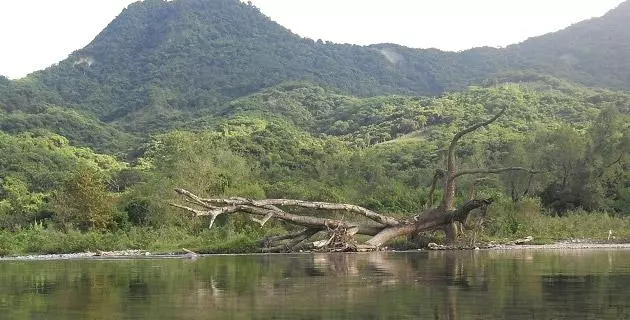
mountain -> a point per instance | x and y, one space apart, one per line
159 62
197 53
594 52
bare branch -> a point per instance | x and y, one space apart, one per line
209 203
195 199
263 220
451 149
267 213
322 243
489 171
448 200
197 213
309 221
439 174
468 130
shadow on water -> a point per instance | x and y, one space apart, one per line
386 285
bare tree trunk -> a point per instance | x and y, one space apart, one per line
450 194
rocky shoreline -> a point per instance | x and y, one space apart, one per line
82 255
563 246
138 254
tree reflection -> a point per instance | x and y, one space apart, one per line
382 285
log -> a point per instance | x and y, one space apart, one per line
340 232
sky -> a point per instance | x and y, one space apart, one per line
35 34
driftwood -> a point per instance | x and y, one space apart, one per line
340 234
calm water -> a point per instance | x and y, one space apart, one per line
588 284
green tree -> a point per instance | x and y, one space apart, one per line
84 201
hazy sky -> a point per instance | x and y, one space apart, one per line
37 33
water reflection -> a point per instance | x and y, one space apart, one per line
416 285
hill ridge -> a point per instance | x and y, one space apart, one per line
191 55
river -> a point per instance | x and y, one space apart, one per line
515 284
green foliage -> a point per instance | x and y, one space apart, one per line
78 129
592 52
199 162
25 106
160 61
18 206
84 202
42 160
203 163
34 167
512 221
214 97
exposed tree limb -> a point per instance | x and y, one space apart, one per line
195 199
263 220
296 239
472 128
433 219
197 213
382 219
489 171
308 221
448 200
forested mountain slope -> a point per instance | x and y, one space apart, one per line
26 106
594 52
159 60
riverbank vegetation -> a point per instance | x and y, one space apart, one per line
62 193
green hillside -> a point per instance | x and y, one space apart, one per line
594 52
25 106
169 57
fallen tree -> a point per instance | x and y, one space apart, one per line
339 234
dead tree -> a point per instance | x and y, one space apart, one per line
340 234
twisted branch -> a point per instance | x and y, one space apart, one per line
266 203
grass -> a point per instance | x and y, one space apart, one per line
510 221
163 240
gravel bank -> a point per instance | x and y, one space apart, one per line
83 255
136 254
563 245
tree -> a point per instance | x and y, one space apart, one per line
84 201
340 233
